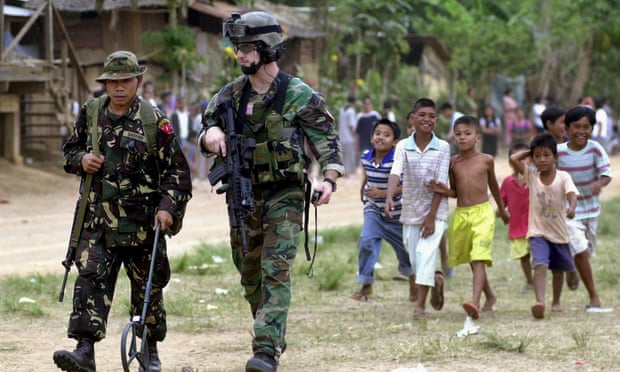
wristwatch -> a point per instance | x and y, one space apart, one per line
332 182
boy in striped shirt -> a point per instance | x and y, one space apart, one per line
588 165
377 226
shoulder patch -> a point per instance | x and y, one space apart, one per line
165 126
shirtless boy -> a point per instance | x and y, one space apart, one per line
471 233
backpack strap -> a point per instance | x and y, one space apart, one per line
149 120
278 101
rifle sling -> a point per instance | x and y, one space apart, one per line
92 120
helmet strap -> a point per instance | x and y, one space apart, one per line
252 68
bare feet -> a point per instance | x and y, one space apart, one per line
594 302
413 290
363 293
489 305
527 288
420 313
572 280
556 308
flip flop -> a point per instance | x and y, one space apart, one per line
592 308
437 291
471 310
538 310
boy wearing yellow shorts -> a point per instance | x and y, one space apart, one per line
471 233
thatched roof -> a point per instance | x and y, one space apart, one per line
91 5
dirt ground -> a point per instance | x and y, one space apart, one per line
35 226
34 229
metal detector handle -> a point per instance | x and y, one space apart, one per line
149 282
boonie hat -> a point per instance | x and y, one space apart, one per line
121 65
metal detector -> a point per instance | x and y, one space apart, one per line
130 339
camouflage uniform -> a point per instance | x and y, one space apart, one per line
278 185
118 227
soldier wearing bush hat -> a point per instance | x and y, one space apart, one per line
121 65
139 178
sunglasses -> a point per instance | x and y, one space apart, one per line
246 48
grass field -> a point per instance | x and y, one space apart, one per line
330 332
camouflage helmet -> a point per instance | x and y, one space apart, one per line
253 26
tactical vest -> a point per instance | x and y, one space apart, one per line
279 154
133 162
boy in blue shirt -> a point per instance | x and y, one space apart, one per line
377 164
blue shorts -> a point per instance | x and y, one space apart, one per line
553 255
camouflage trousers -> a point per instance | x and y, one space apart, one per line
273 236
93 292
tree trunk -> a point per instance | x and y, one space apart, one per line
583 72
358 56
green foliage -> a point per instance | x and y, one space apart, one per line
564 48
175 47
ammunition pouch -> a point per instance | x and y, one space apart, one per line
280 160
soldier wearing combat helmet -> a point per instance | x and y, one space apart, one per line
139 178
281 113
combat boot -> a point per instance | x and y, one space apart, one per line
82 359
261 362
153 364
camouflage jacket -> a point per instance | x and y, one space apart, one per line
132 184
304 108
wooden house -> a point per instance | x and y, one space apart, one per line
431 57
79 34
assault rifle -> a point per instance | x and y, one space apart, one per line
80 208
235 172
76 230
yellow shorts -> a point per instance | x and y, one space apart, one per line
519 247
471 234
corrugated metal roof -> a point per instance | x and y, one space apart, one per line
294 24
14 11
90 5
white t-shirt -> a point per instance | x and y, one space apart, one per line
347 120
183 117
600 129
537 110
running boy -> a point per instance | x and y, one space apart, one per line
588 165
423 157
553 122
471 233
515 195
377 163
547 232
